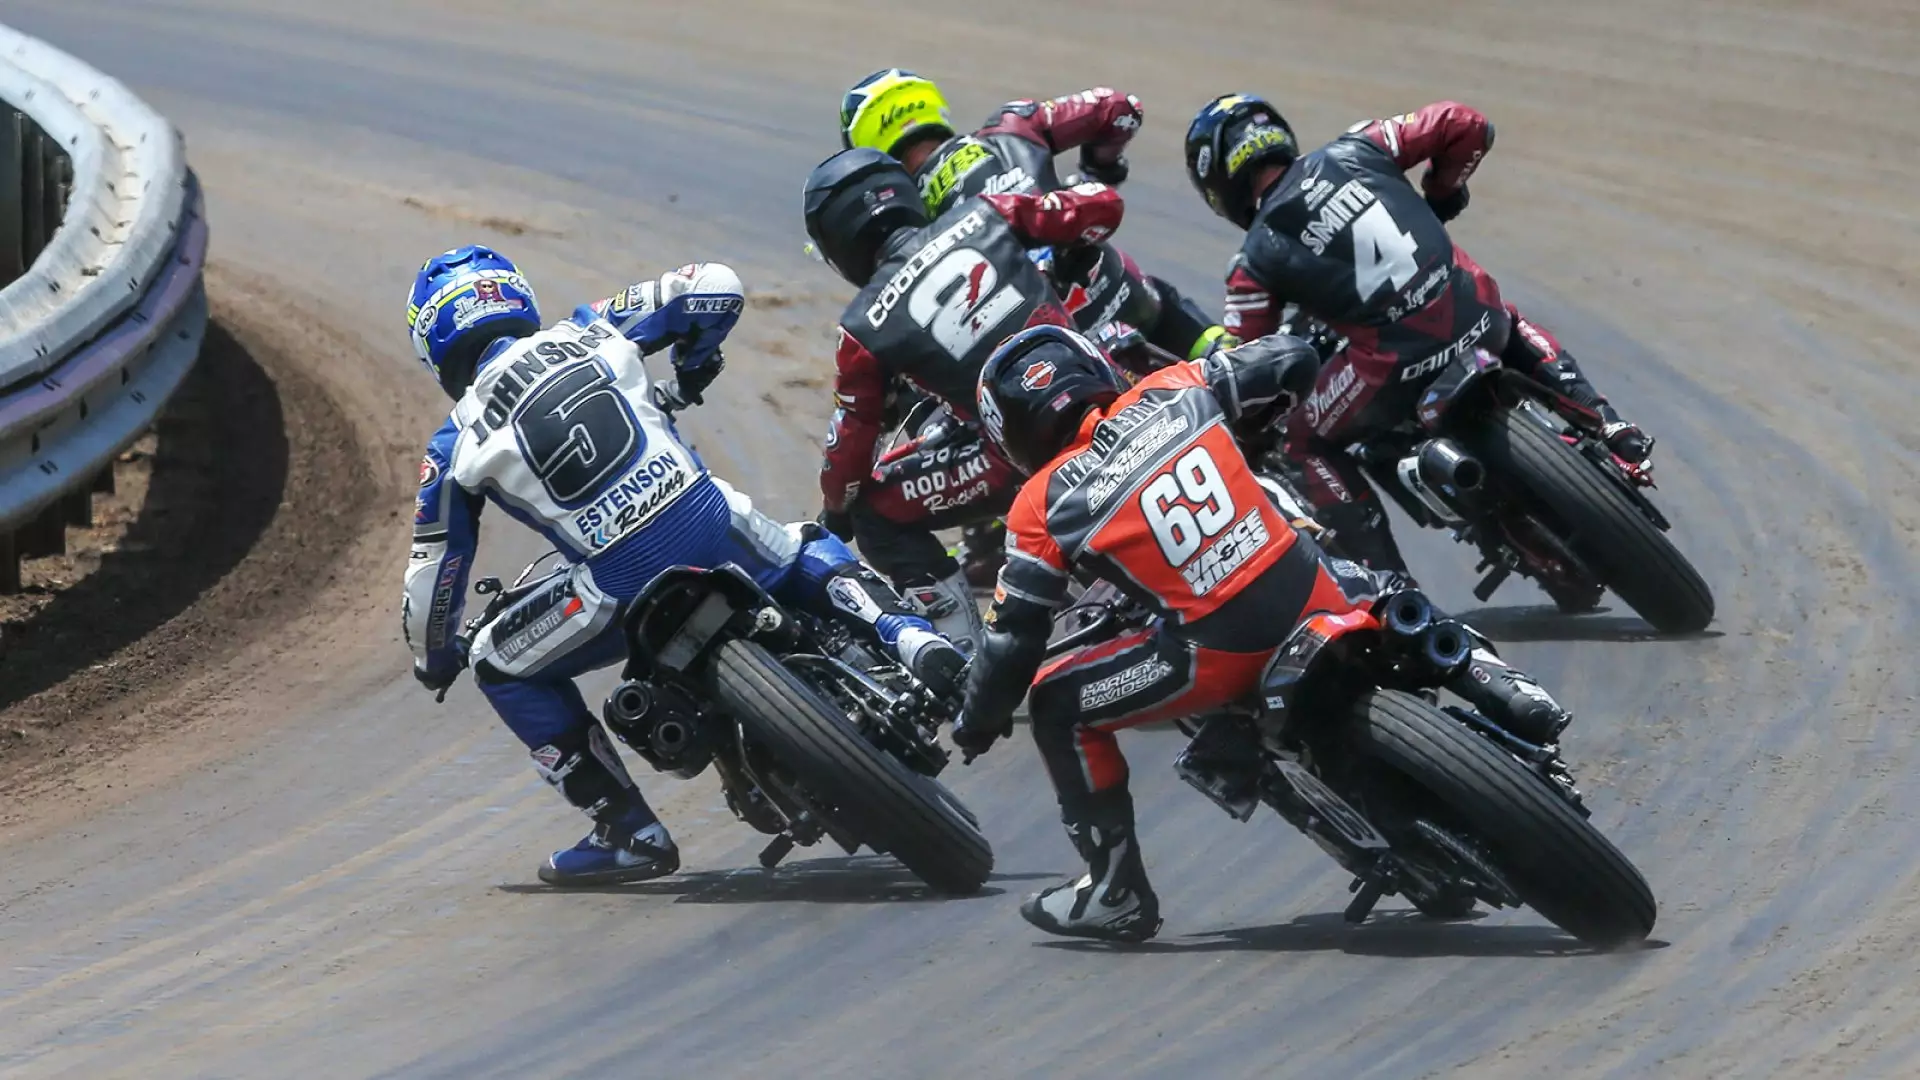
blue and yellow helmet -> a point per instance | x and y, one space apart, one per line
464 300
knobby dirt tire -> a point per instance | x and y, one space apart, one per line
874 796
1557 862
1632 555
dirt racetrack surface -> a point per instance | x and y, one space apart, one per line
1711 203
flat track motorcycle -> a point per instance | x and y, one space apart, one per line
1514 469
1347 741
814 734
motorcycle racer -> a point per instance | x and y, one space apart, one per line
1342 234
935 298
906 117
1146 489
563 429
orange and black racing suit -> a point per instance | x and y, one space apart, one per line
1154 497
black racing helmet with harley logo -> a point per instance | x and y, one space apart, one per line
1227 142
1037 387
854 201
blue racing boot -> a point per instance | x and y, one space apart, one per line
633 846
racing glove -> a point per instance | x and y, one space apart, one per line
837 522
975 736
438 672
1447 207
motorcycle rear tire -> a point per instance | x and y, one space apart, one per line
873 796
1557 862
1631 554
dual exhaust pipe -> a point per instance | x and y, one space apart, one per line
668 738
1437 643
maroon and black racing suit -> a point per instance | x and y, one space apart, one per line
943 297
1014 154
1345 236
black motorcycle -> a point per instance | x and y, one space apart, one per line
814 735
1524 475
1347 741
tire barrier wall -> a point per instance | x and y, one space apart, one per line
102 308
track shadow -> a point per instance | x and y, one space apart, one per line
858 879
219 469
1402 934
1543 622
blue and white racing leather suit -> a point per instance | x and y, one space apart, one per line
559 430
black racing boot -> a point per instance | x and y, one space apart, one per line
1111 902
983 551
1509 697
1362 534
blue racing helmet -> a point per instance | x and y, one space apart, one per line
464 300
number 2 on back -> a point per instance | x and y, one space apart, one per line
956 301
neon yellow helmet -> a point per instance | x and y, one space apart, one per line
886 107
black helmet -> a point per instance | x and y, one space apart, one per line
855 200
1234 135
1036 388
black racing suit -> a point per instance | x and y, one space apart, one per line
944 296
1013 154
1345 236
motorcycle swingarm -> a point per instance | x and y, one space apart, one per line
802 825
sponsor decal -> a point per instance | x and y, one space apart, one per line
1452 352
988 406
711 305
851 597
1338 213
487 300
1125 683
429 470
1228 552
945 177
1038 376
1320 403
940 503
629 301
1112 309
633 500
443 601
1203 161
1421 293
547 757
1259 138
1133 454
534 621
1015 181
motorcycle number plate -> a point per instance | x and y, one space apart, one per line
1343 818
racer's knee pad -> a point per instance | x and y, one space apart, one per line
587 772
